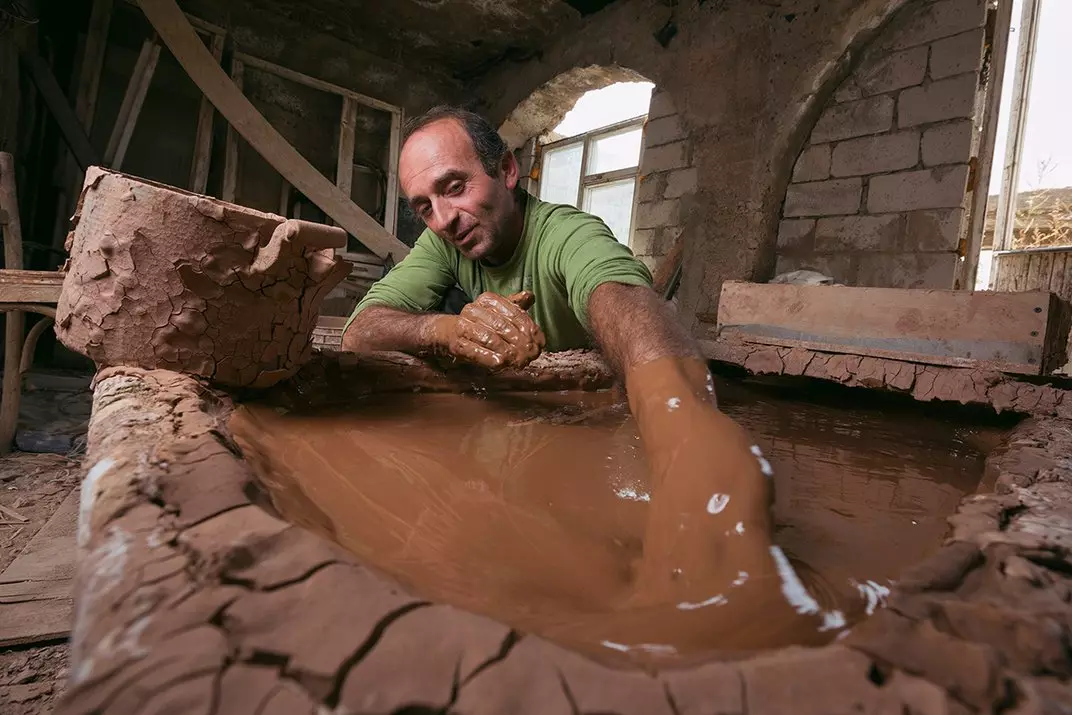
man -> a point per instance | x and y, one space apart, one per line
578 283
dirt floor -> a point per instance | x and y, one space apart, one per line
32 486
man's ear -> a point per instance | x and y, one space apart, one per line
510 170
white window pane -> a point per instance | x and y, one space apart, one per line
613 203
614 151
561 174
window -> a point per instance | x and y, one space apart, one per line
595 166
596 172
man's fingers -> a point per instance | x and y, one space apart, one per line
483 335
505 327
524 300
472 352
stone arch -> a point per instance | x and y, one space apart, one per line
545 107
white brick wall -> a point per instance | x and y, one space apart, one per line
878 193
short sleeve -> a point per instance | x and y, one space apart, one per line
417 283
589 256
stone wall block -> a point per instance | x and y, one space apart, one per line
889 72
957 55
934 230
813 164
643 240
876 154
854 119
859 233
952 98
823 198
657 214
651 187
681 182
907 270
796 234
661 105
663 130
923 189
948 143
937 20
664 158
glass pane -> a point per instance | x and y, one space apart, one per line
561 174
613 203
614 151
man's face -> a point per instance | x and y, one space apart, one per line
447 187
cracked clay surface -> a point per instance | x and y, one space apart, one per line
923 382
233 296
193 598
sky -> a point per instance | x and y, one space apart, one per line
612 104
1047 154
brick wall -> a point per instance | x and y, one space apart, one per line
879 193
667 182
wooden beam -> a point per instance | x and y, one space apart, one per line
14 321
20 286
195 58
129 110
70 128
1013 332
344 167
203 139
390 215
85 102
294 76
1025 62
230 155
1000 20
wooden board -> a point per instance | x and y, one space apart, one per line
18 286
1014 332
36 589
169 22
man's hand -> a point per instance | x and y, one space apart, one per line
492 331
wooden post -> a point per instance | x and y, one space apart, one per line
14 321
390 214
344 168
203 140
230 156
137 88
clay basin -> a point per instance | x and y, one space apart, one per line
234 562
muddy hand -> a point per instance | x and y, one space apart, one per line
493 331
711 492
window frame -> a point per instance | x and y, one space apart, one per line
586 180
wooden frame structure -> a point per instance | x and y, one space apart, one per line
347 127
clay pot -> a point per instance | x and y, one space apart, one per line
163 278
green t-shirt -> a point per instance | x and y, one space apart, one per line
563 255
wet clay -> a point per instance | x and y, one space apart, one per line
162 278
493 332
534 509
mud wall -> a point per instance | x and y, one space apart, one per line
749 81
879 193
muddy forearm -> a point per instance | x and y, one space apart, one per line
635 326
383 328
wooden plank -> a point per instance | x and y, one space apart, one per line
36 589
15 321
344 166
390 215
18 286
130 109
1006 330
203 138
195 58
1059 282
85 102
294 76
70 128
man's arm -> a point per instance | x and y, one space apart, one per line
378 327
